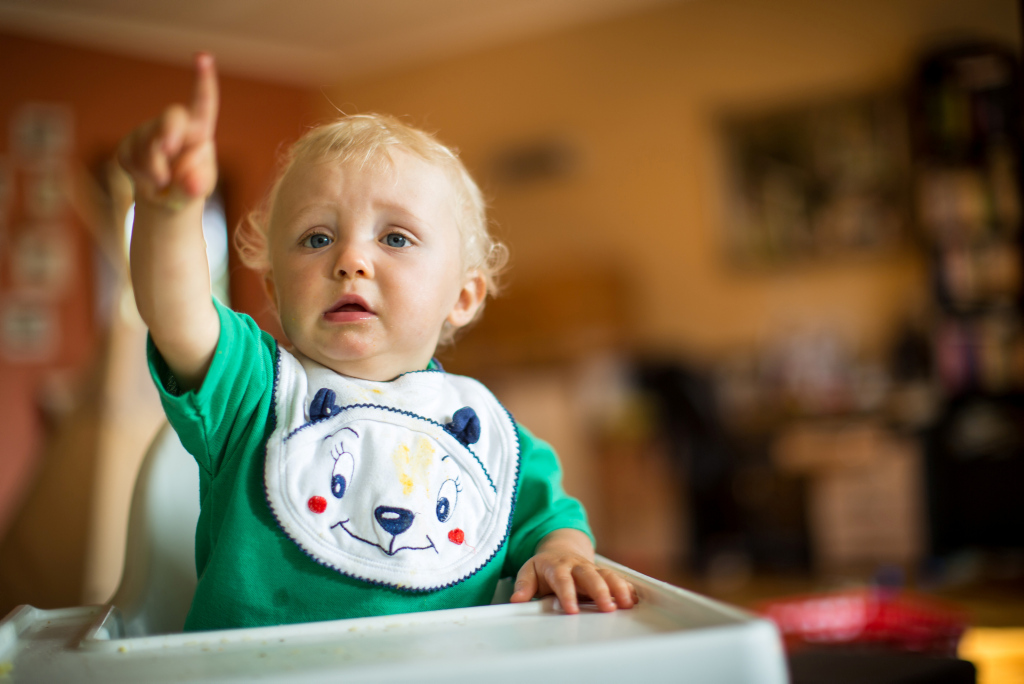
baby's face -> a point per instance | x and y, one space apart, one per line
366 264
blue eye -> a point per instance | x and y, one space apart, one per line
338 486
317 241
344 467
444 509
447 498
396 240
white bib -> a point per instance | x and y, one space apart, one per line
408 483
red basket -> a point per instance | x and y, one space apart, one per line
880 617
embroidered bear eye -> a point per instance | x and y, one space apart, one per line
344 464
447 497
338 486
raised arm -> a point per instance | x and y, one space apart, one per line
172 161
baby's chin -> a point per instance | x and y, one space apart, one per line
369 366
365 352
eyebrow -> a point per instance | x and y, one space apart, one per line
311 207
342 430
403 213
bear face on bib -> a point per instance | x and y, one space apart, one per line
395 482
384 494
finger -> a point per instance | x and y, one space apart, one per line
195 174
526 584
165 145
126 153
141 155
156 151
172 127
593 584
136 147
561 582
206 97
146 151
621 590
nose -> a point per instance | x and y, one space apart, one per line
394 520
353 261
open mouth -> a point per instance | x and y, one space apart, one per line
350 307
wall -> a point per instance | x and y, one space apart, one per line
46 502
639 97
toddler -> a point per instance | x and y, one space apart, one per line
347 475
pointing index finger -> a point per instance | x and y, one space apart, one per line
206 98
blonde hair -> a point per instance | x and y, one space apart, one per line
367 140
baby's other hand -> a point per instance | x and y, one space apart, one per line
564 566
171 159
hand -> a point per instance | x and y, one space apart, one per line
564 566
172 158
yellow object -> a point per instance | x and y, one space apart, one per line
997 653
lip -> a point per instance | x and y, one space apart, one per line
358 310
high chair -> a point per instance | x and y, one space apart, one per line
159 575
672 635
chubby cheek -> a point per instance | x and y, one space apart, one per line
429 299
299 303
290 289
296 329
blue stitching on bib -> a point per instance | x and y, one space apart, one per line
409 590
321 396
515 485
411 415
272 418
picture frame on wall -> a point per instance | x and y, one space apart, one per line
41 131
29 329
826 178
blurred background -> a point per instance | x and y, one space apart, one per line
766 285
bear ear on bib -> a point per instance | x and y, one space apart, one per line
465 426
323 405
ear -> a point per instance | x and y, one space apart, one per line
269 289
471 296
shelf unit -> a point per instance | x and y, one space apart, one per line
967 147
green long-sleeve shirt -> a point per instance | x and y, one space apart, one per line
252 574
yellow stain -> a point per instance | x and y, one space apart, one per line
413 466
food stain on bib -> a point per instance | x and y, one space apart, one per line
413 466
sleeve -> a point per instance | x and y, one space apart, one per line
228 413
542 506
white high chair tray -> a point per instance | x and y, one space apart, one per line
672 635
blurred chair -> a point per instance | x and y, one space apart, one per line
159 574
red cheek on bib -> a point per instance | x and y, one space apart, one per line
456 536
317 504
